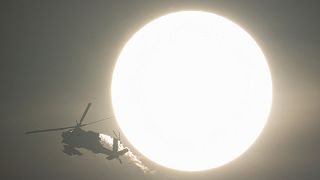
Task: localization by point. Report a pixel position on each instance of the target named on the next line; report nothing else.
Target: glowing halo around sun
(191, 90)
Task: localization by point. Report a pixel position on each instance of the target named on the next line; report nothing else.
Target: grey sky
(56, 56)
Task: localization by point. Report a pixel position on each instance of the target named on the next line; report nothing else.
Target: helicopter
(89, 140)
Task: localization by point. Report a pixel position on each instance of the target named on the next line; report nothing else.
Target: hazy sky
(56, 56)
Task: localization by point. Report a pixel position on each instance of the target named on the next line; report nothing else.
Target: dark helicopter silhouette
(76, 138)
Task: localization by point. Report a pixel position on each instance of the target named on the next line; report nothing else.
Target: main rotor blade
(95, 121)
(84, 113)
(47, 130)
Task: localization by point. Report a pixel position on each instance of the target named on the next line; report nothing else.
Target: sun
(191, 90)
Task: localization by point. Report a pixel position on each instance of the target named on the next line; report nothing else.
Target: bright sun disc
(191, 90)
